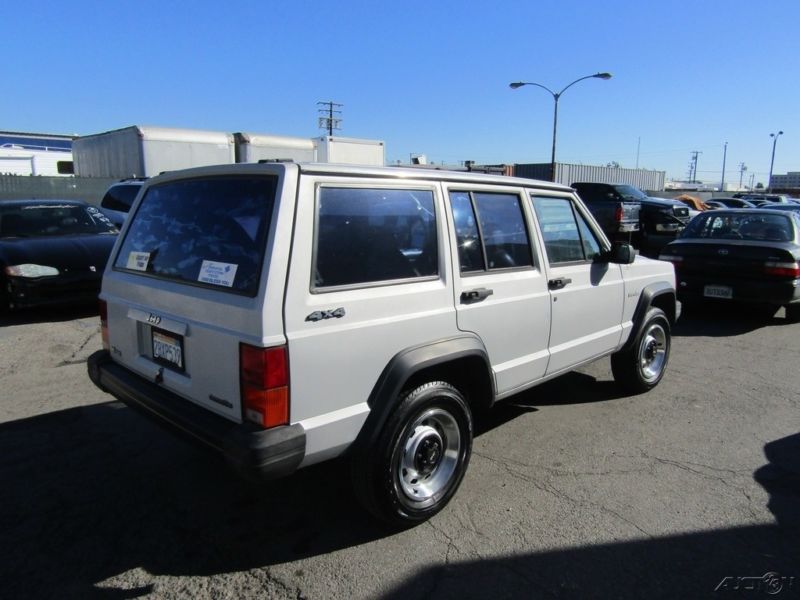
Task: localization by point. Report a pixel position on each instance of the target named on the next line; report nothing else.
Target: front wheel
(420, 457)
(640, 367)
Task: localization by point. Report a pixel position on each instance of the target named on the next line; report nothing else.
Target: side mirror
(620, 254)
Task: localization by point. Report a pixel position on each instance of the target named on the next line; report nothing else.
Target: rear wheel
(420, 457)
(640, 367)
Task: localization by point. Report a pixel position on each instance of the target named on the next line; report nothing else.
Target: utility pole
(742, 169)
(724, 156)
(638, 145)
(329, 120)
(774, 137)
(693, 166)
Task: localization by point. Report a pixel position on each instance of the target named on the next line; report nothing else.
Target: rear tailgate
(187, 283)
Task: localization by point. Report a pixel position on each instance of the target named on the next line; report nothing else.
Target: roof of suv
(366, 171)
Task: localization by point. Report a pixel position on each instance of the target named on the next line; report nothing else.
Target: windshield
(37, 220)
(740, 226)
(209, 232)
(630, 193)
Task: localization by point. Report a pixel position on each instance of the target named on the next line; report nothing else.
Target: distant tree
(759, 186)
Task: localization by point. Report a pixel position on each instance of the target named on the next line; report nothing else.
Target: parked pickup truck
(285, 314)
(660, 220)
(614, 207)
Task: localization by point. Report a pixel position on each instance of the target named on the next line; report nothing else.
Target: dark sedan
(52, 252)
(741, 255)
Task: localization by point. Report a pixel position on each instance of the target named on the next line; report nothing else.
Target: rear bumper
(778, 293)
(256, 453)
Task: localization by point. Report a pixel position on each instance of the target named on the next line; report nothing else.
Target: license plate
(718, 291)
(168, 349)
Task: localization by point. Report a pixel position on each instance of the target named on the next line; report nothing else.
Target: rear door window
(120, 197)
(209, 232)
(491, 232)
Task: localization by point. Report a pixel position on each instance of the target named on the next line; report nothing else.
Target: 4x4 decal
(319, 315)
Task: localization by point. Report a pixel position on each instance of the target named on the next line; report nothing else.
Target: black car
(52, 252)
(741, 255)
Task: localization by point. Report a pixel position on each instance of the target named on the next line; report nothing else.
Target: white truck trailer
(350, 151)
(147, 151)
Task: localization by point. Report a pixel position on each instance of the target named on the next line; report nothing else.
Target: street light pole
(556, 96)
(724, 156)
(774, 137)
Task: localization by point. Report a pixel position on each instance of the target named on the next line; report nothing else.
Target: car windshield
(38, 219)
(630, 193)
(731, 225)
(209, 232)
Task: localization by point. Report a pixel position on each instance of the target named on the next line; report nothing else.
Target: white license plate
(168, 349)
(718, 291)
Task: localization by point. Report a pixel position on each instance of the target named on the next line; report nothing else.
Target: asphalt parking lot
(574, 489)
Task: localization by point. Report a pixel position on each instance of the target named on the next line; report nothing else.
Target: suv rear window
(209, 232)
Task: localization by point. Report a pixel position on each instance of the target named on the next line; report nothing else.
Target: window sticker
(138, 261)
(217, 273)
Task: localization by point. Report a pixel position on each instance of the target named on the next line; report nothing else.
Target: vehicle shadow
(750, 561)
(48, 315)
(724, 319)
(96, 491)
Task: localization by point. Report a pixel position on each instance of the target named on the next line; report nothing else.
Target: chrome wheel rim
(653, 352)
(428, 458)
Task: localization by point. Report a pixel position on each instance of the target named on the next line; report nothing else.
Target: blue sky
(427, 77)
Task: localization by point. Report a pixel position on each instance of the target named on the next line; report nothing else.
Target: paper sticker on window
(138, 261)
(217, 273)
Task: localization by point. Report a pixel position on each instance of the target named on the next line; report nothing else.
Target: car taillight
(618, 213)
(104, 324)
(264, 377)
(782, 269)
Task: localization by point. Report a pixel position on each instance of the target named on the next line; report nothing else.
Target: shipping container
(350, 151)
(253, 147)
(652, 181)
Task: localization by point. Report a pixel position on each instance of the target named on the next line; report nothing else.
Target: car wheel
(639, 368)
(793, 313)
(420, 457)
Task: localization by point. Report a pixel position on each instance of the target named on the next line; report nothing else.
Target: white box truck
(253, 147)
(147, 151)
(351, 151)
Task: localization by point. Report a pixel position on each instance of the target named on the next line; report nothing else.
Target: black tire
(793, 313)
(420, 457)
(640, 367)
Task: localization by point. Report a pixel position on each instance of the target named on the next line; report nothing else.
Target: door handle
(559, 283)
(476, 295)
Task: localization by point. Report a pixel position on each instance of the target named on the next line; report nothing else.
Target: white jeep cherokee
(284, 314)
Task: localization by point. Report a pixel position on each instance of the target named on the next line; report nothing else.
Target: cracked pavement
(574, 490)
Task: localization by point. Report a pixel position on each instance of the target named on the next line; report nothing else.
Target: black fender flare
(403, 366)
(649, 293)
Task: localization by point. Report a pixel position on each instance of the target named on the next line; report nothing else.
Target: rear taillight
(104, 324)
(782, 269)
(618, 213)
(264, 377)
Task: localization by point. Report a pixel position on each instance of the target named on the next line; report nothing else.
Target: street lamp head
(603, 75)
(516, 85)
